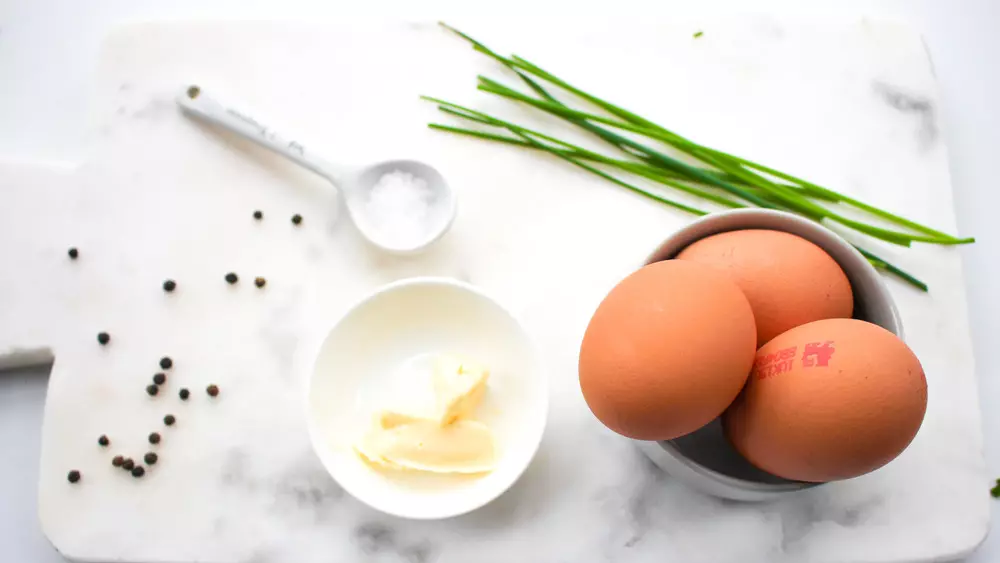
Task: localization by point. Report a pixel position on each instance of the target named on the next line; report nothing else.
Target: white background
(48, 49)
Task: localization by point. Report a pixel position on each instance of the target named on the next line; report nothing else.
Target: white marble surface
(745, 521)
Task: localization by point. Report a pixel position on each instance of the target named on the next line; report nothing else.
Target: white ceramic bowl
(704, 459)
(362, 367)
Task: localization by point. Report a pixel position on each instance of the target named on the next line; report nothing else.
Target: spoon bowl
(432, 205)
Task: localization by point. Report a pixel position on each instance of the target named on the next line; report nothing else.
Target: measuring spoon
(355, 183)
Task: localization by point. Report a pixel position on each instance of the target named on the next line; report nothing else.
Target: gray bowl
(704, 459)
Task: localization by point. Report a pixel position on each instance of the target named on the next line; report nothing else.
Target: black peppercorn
(73, 476)
(169, 420)
(258, 215)
(128, 464)
(184, 393)
(259, 281)
(231, 278)
(152, 390)
(117, 461)
(166, 362)
(150, 458)
(297, 219)
(160, 378)
(103, 440)
(212, 390)
(103, 338)
(138, 471)
(169, 285)
(154, 438)
(73, 253)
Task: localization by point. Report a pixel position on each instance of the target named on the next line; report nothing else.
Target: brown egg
(667, 350)
(788, 280)
(828, 400)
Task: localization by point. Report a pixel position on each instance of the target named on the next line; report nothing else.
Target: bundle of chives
(743, 181)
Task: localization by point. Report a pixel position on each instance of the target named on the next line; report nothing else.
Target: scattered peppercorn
(169, 286)
(150, 458)
(169, 420)
(166, 362)
(297, 219)
(231, 278)
(258, 215)
(138, 471)
(184, 393)
(128, 464)
(73, 253)
(152, 390)
(160, 378)
(103, 440)
(259, 281)
(212, 390)
(73, 476)
(103, 338)
(117, 461)
(154, 438)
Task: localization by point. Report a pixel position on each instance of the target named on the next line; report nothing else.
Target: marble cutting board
(851, 105)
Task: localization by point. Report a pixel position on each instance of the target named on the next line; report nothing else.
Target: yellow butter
(458, 387)
(442, 439)
(465, 446)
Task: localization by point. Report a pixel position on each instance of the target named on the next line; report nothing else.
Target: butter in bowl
(427, 399)
(435, 434)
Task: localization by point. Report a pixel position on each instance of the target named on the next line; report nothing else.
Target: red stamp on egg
(817, 354)
(814, 354)
(774, 363)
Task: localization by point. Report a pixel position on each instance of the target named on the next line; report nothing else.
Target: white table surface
(47, 52)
